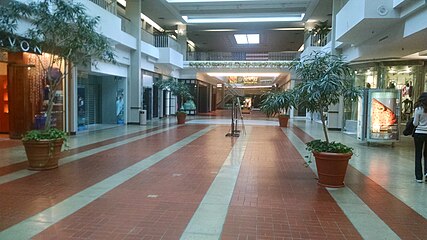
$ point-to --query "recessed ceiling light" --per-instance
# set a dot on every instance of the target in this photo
(247, 38)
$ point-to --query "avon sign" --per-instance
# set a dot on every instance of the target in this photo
(19, 44)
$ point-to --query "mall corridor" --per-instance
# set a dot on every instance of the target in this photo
(169, 181)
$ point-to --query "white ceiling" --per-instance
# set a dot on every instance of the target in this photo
(168, 16)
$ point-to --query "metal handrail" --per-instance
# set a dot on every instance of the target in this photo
(242, 56)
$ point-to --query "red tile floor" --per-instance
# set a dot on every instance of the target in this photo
(275, 196)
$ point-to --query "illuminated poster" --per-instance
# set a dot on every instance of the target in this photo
(384, 119)
(243, 80)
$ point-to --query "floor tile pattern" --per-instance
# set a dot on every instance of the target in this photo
(277, 198)
(156, 204)
(25, 197)
(23, 165)
(403, 220)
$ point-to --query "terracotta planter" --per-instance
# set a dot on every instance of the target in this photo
(331, 168)
(43, 155)
(180, 116)
(283, 120)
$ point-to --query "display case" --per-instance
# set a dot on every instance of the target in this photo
(383, 110)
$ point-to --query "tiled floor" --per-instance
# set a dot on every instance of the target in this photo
(168, 181)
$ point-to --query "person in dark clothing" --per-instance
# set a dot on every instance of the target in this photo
(420, 137)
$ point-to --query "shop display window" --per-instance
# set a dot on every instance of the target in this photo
(39, 91)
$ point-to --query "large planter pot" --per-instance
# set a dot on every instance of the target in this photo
(283, 120)
(180, 116)
(331, 168)
(44, 154)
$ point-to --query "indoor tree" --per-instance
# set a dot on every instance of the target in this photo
(66, 34)
(178, 89)
(325, 79)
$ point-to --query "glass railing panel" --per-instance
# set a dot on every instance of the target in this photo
(109, 5)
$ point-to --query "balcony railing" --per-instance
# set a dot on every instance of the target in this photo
(242, 56)
(318, 40)
(109, 5)
(165, 41)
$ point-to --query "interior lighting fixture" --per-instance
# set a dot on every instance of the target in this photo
(202, 1)
(235, 74)
(191, 43)
(293, 18)
(247, 38)
(220, 30)
(143, 17)
(289, 29)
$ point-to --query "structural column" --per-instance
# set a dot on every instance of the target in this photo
(134, 93)
(182, 39)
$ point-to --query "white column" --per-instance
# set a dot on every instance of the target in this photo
(134, 91)
(182, 39)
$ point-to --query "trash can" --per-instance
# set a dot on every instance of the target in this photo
(142, 117)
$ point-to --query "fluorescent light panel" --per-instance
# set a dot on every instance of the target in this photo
(143, 17)
(202, 1)
(235, 74)
(220, 30)
(243, 19)
(288, 29)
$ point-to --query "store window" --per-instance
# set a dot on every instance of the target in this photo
(40, 89)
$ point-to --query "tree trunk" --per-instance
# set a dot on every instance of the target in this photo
(325, 130)
(49, 108)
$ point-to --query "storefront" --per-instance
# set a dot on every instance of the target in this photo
(95, 96)
(405, 80)
(24, 94)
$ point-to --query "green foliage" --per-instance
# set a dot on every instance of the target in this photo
(64, 30)
(325, 79)
(61, 28)
(277, 102)
(331, 147)
(321, 28)
(50, 134)
(178, 89)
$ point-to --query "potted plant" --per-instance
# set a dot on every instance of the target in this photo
(277, 103)
(180, 90)
(325, 78)
(68, 37)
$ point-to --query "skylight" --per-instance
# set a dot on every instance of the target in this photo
(247, 38)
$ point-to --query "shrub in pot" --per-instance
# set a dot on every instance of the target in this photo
(68, 37)
(277, 103)
(180, 90)
(325, 78)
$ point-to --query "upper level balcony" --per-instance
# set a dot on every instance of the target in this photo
(360, 20)
(242, 56)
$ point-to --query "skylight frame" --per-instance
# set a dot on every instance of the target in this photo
(244, 38)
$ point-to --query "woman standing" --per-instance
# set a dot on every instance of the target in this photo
(420, 136)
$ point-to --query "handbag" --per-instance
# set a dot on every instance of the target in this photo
(410, 128)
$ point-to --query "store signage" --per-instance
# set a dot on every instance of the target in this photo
(19, 44)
